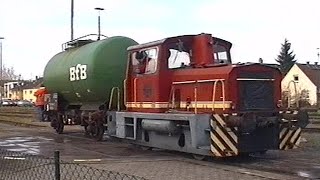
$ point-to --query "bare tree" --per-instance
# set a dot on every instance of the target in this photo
(8, 73)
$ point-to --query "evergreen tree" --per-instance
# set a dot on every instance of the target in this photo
(286, 59)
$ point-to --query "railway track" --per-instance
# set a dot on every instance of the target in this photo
(276, 165)
(274, 162)
(312, 130)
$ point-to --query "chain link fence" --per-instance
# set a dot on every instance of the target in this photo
(16, 165)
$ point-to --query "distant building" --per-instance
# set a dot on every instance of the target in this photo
(303, 82)
(26, 90)
(2, 82)
(9, 86)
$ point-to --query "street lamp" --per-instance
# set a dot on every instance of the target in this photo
(2, 84)
(318, 54)
(99, 9)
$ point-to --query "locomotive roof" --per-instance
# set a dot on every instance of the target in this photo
(154, 43)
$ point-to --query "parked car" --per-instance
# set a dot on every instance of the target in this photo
(24, 103)
(7, 102)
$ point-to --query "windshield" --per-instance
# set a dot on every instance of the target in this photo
(179, 54)
(220, 54)
(178, 59)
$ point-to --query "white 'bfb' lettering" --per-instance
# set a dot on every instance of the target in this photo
(72, 74)
(78, 72)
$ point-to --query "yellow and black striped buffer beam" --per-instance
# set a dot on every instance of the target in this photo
(224, 140)
(289, 138)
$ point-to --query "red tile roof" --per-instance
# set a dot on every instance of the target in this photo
(312, 71)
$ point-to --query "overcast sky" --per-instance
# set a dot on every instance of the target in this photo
(35, 29)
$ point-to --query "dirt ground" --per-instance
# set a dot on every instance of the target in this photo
(160, 164)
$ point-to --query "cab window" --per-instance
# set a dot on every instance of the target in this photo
(179, 55)
(145, 61)
(178, 59)
(220, 54)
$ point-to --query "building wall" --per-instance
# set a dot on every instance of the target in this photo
(8, 93)
(28, 94)
(303, 83)
(17, 95)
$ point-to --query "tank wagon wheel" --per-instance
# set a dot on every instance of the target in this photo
(60, 125)
(86, 130)
(199, 157)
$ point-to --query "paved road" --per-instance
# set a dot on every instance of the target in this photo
(156, 164)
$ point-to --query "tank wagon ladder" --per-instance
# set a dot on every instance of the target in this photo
(117, 89)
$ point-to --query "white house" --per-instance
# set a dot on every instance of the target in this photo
(303, 81)
(8, 93)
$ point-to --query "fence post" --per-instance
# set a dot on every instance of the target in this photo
(57, 165)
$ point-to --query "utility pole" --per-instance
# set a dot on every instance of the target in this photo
(318, 54)
(99, 31)
(1, 79)
(72, 13)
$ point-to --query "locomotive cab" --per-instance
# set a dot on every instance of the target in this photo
(155, 67)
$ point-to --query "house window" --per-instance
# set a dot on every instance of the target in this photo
(30, 91)
(296, 77)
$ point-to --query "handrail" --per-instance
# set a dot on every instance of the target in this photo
(215, 82)
(196, 99)
(172, 96)
(66, 43)
(214, 93)
(135, 90)
(125, 92)
(118, 98)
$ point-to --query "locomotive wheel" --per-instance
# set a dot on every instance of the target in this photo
(86, 130)
(263, 152)
(145, 148)
(199, 157)
(59, 125)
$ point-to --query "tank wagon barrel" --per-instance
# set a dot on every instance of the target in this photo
(85, 75)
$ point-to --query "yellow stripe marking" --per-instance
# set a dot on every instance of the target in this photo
(215, 151)
(282, 132)
(296, 133)
(183, 104)
(220, 120)
(205, 105)
(284, 141)
(226, 140)
(212, 124)
(217, 141)
(298, 141)
(233, 135)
